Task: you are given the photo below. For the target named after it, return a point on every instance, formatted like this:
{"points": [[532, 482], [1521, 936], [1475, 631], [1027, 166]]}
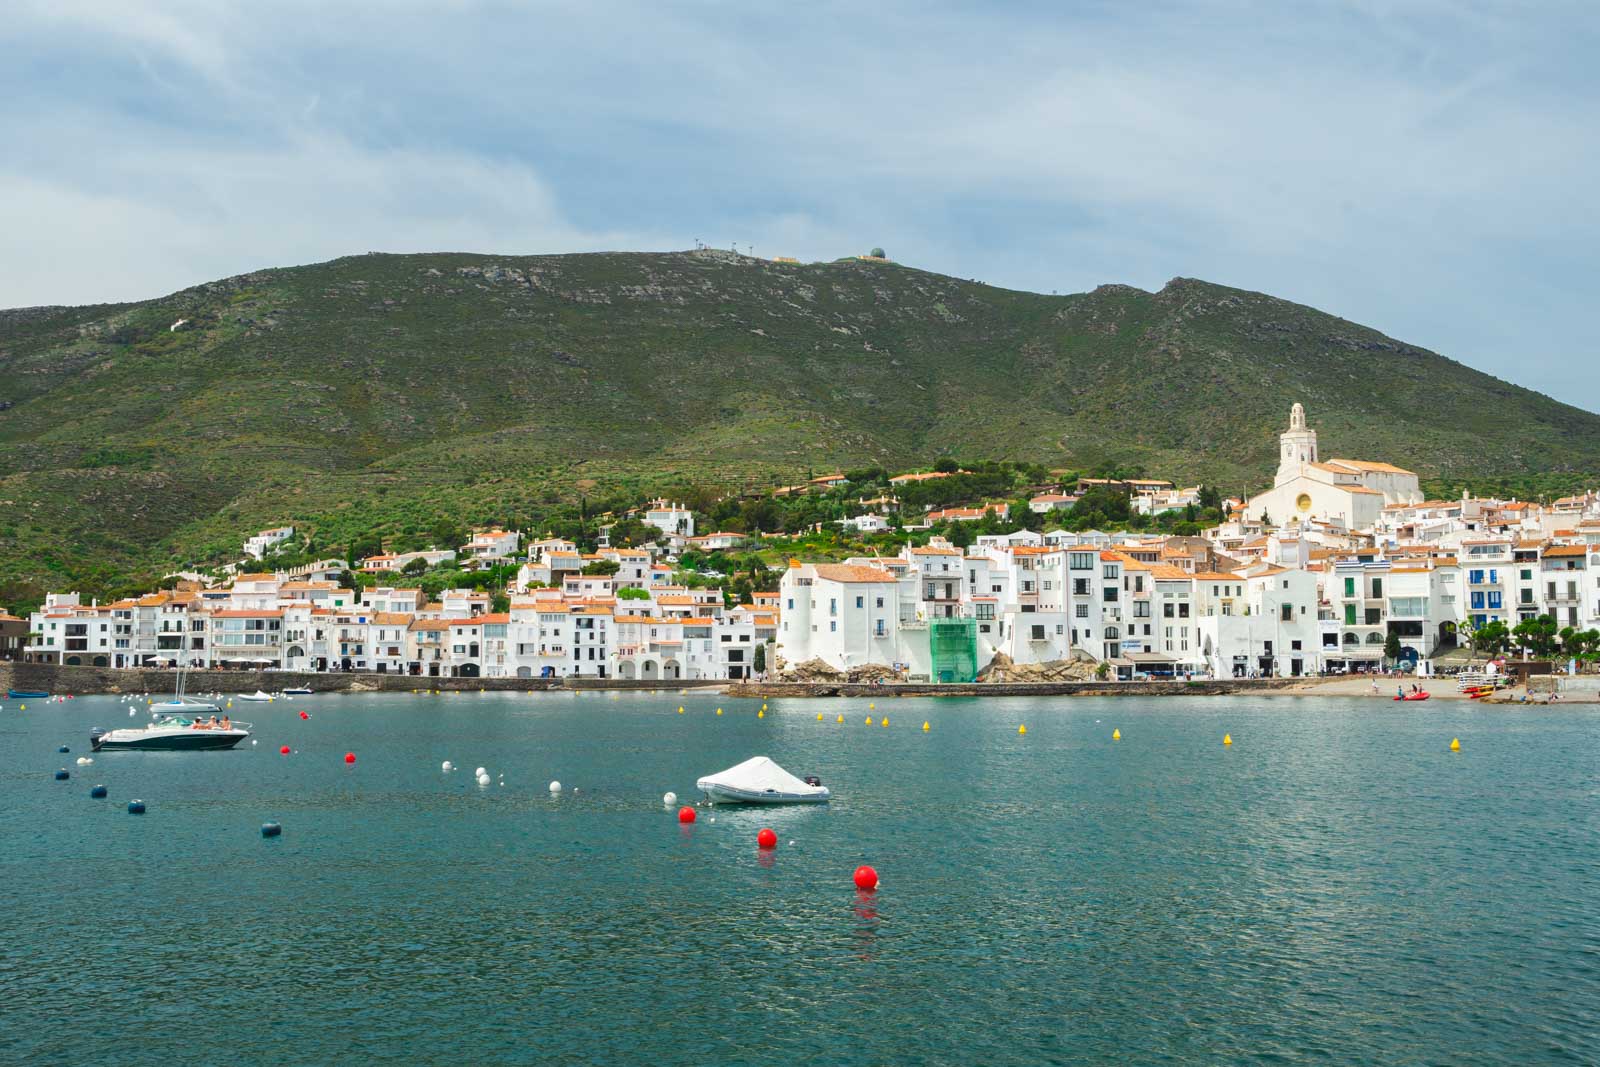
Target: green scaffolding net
{"points": [[953, 644]]}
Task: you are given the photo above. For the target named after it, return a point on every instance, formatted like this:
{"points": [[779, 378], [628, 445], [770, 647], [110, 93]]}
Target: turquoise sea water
{"points": [[1335, 887]]}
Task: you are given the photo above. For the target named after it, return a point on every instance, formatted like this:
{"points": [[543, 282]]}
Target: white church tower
{"points": [[1298, 446]]}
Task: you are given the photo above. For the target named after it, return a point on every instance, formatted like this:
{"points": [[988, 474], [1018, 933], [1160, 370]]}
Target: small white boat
{"points": [[183, 706], [257, 697], [298, 691], [760, 781]]}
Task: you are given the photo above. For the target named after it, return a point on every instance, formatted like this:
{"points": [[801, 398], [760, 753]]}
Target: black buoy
{"points": [[63, 748], [135, 807], [270, 829], [62, 775], [98, 792]]}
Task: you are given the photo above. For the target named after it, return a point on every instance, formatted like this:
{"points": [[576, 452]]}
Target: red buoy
{"points": [[284, 750], [767, 838], [349, 757], [303, 715], [686, 814], [866, 878]]}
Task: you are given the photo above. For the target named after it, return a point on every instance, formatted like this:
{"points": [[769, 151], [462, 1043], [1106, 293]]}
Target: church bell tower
{"points": [[1297, 446]]}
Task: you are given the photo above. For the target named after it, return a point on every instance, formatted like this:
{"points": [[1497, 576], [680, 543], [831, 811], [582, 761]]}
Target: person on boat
{"points": [[227, 722]]}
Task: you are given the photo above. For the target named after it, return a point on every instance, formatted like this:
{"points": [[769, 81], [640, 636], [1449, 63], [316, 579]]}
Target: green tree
{"points": [[633, 593], [1537, 636], [1391, 648], [946, 465], [1492, 638], [415, 566], [759, 661], [602, 567]]}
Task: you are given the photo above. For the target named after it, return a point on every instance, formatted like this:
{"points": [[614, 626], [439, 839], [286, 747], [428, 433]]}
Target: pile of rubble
{"points": [[1002, 669], [819, 670], [815, 669]]}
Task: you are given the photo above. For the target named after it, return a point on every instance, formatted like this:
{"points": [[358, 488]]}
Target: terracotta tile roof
{"points": [[839, 572], [1374, 468]]}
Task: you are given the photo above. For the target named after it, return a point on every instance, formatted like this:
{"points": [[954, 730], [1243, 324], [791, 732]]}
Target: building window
{"points": [[1286, 612]]}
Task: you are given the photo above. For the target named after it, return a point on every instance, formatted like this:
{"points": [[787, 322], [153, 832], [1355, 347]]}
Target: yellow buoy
{"points": [[1455, 744], [839, 719], [869, 720], [763, 707], [1116, 735], [680, 709], [761, 715], [926, 727], [1227, 739], [819, 716], [872, 707], [719, 711], [1022, 729], [885, 721]]}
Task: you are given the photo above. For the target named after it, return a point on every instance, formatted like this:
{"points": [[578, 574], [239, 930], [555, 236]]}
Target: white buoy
{"points": [[130, 713], [555, 787], [252, 741], [483, 779], [669, 798], [480, 772], [447, 766]]}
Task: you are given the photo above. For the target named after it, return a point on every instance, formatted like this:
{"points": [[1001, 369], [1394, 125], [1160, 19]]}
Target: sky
{"points": [[1428, 168]]}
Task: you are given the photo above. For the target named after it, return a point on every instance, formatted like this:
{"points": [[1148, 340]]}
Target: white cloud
{"points": [[1422, 167]]}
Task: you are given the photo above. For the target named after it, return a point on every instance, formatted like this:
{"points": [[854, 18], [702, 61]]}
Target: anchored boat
{"points": [[760, 781], [171, 733], [27, 694]]}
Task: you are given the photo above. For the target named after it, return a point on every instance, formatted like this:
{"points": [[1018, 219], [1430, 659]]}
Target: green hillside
{"points": [[382, 392]]}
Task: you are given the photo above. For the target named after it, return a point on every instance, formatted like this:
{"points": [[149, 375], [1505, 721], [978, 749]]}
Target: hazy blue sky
{"points": [[1429, 168]]}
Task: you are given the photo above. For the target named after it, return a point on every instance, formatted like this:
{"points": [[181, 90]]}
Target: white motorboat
{"points": [[172, 733], [760, 781], [298, 691], [258, 697]]}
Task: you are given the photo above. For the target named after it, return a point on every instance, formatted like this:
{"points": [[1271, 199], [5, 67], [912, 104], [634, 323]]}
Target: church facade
{"points": [[1350, 491]]}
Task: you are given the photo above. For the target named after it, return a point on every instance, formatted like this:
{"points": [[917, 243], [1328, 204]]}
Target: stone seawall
{"points": [[1217, 687], [88, 680]]}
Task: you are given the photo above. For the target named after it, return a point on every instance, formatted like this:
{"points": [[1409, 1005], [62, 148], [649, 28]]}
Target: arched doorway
{"points": [[649, 671], [467, 670], [524, 672], [100, 661], [671, 669], [625, 669], [74, 661]]}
